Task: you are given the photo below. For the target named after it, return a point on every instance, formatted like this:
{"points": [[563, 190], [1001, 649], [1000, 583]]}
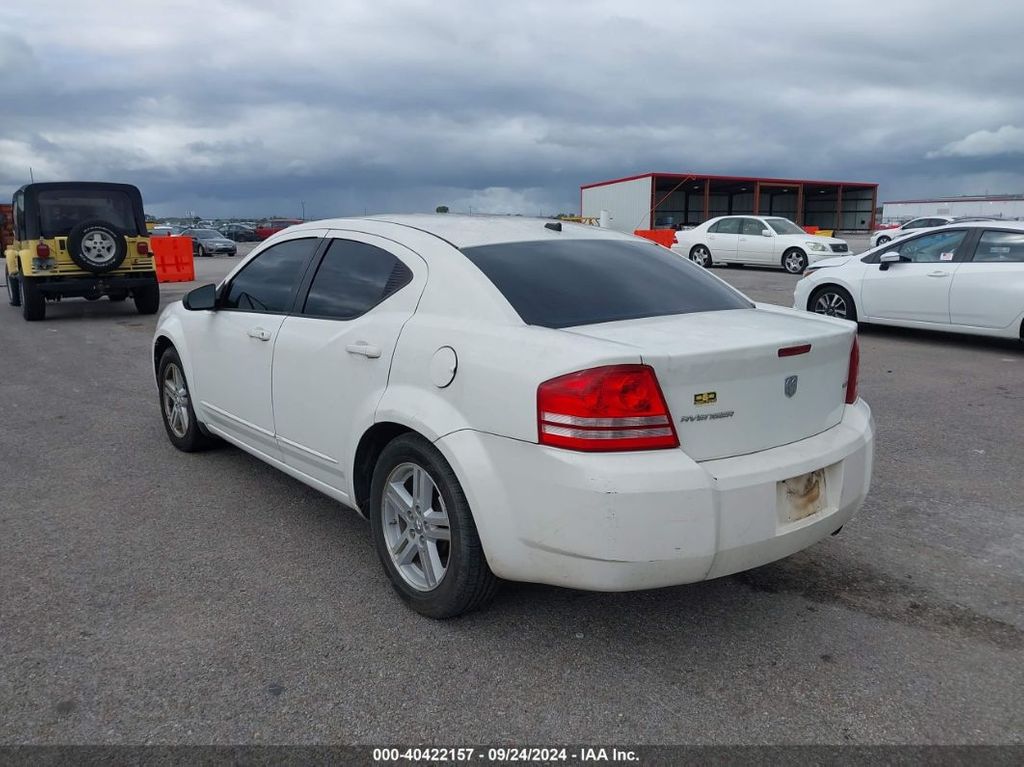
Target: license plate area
{"points": [[803, 496]]}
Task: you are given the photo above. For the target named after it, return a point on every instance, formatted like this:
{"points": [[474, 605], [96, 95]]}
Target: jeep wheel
{"points": [[97, 247], [13, 288], [33, 302], [147, 299]]}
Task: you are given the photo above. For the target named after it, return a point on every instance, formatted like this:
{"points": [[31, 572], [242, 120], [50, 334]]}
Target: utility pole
{"points": [[303, 204]]}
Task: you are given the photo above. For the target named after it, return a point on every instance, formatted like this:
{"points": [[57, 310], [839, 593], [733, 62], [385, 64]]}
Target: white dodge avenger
{"points": [[524, 399]]}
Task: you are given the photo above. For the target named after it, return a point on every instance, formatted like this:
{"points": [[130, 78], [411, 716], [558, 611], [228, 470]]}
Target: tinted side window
{"points": [[583, 282], [728, 226], [752, 226], [352, 279], [930, 248], [268, 282], [1006, 247]]}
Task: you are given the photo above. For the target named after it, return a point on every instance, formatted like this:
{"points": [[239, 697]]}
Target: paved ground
{"points": [[152, 596]]}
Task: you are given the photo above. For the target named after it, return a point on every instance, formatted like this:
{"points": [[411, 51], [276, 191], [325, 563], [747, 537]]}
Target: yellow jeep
{"points": [[79, 238]]}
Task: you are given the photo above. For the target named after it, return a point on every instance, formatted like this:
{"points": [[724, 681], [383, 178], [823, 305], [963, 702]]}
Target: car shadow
{"points": [[780, 599], [80, 309], [940, 338]]}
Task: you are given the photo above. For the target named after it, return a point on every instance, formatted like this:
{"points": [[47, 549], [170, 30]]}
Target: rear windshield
{"points": [[61, 210], [560, 284]]}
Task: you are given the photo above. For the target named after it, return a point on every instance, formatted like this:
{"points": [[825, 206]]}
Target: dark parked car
{"points": [[239, 233], [210, 242]]}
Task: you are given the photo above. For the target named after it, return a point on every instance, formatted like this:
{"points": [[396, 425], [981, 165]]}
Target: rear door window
{"points": [[727, 226], [563, 283], [352, 278], [1000, 247]]}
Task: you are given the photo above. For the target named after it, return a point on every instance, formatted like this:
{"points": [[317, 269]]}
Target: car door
{"points": [[723, 238], [916, 290], [232, 347], [988, 289], [333, 355], [752, 246]]}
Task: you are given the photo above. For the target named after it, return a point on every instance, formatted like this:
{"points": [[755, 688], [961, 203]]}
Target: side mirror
{"points": [[201, 299], [888, 259], [766, 233]]}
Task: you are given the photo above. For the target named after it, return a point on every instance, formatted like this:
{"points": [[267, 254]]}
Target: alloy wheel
{"points": [[794, 262], [416, 527], [700, 256], [831, 304], [175, 400]]}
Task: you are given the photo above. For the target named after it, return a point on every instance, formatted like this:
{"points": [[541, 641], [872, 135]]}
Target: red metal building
{"points": [[666, 200]]}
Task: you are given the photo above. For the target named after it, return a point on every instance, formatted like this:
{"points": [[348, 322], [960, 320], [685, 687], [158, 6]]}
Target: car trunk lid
{"points": [[741, 381]]}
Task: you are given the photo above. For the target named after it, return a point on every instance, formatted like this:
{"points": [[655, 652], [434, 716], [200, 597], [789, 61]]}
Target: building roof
{"points": [[961, 198], [751, 179]]}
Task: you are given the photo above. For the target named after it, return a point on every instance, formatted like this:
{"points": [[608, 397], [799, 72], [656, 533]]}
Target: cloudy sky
{"points": [[249, 107]]}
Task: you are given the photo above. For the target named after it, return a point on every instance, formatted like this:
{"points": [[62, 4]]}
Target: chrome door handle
{"points": [[938, 274], [365, 349], [260, 333]]}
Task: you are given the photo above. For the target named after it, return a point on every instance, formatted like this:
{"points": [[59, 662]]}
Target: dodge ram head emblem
{"points": [[791, 386]]}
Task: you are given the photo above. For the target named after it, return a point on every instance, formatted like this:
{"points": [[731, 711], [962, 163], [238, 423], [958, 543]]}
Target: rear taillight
{"points": [[142, 248], [851, 376], [618, 407], [42, 250]]}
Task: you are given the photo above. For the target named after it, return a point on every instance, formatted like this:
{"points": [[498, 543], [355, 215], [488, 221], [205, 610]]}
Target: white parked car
{"points": [[757, 240], [966, 277], [882, 236], [524, 399]]}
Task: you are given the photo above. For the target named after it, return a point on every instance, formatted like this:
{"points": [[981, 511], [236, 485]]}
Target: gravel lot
{"points": [[151, 596]]}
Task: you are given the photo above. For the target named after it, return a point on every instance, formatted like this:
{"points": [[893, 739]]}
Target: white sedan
{"points": [[914, 226], [756, 240], [523, 399], [966, 277]]}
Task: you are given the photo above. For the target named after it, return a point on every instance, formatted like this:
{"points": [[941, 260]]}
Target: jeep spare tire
{"points": [[97, 246]]}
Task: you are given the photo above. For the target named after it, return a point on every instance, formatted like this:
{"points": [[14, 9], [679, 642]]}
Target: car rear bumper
{"points": [[626, 521], [91, 285]]}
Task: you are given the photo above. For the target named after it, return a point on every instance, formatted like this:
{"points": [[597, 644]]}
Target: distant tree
{"points": [[441, 209]]}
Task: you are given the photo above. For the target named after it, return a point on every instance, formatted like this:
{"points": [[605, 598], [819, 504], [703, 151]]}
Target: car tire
{"points": [[13, 288], [33, 302], [97, 246], [833, 301], [180, 422], [794, 261], [881, 241], [202, 252], [147, 298], [453, 577], [701, 256]]}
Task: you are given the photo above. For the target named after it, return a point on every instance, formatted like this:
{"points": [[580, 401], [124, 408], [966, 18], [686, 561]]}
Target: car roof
{"points": [[990, 224], [467, 231]]}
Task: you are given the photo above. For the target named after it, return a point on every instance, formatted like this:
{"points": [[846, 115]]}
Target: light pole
{"points": [[303, 204]]}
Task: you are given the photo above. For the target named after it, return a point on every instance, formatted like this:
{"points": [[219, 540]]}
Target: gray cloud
{"points": [[249, 107]]}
